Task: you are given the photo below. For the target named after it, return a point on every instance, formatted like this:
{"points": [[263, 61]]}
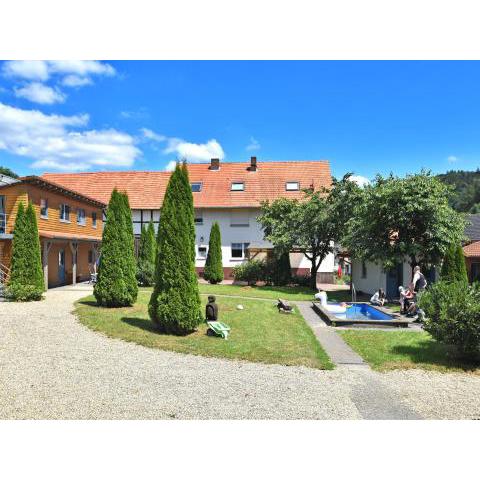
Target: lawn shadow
{"points": [[88, 303], [435, 353], [142, 323]]}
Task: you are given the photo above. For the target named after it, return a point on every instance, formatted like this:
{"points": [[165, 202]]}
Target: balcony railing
{"points": [[3, 223]]}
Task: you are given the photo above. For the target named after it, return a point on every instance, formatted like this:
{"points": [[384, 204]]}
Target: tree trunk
{"points": [[313, 273]]}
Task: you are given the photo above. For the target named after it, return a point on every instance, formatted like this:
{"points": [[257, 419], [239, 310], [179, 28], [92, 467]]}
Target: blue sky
{"points": [[365, 117]]}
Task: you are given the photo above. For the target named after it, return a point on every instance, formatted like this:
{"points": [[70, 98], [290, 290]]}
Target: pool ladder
{"points": [[354, 293]]}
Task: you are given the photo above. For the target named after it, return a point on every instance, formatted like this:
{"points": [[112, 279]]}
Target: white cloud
{"points": [[171, 166], [70, 73], [359, 180], [151, 135], [27, 69], [53, 143], [253, 145], [40, 93], [76, 81], [192, 152], [195, 152], [452, 159]]}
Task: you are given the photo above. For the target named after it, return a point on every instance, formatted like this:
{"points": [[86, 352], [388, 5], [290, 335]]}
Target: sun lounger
{"points": [[219, 328]]}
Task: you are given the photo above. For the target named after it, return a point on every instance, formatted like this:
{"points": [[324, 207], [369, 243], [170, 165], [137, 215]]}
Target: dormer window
{"points": [[196, 186], [292, 186], [237, 187]]}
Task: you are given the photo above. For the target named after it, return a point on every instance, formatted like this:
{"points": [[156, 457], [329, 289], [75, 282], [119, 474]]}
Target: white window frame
{"points": [[81, 219], [244, 247], [237, 187], [45, 206], [290, 184], [65, 208], [204, 248], [200, 186]]}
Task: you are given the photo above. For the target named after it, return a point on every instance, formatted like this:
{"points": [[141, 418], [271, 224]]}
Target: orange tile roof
{"points": [[472, 250], [146, 189]]}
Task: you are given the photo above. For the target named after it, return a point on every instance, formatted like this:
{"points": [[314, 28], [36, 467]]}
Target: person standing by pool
{"points": [[419, 281]]}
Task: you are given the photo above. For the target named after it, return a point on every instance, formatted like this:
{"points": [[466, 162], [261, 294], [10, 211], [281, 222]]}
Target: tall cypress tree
{"points": [[454, 268], [146, 256], [213, 266], [175, 302], [26, 276], [114, 287], [129, 260]]}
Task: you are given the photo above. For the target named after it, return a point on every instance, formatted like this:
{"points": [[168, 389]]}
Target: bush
{"points": [[251, 272], [454, 268], [175, 302], [23, 293], [453, 315], [277, 268], [26, 277], [117, 284], [302, 280], [213, 266], [147, 253]]}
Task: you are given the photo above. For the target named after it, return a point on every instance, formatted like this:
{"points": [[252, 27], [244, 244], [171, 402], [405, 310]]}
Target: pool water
{"points": [[363, 311]]}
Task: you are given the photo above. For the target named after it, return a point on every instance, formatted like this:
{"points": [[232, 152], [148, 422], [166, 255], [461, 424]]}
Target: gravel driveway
{"points": [[51, 367]]}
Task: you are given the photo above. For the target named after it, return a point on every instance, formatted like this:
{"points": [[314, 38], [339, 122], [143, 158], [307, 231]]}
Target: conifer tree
{"points": [[147, 256], [213, 266], [454, 268], [117, 285], [282, 271], [175, 302], [129, 260], [26, 276]]}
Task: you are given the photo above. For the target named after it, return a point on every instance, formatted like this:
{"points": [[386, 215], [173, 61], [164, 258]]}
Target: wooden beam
{"points": [[74, 250], [47, 245]]}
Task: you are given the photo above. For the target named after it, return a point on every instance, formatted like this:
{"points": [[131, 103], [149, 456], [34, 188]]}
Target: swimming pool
{"points": [[363, 311]]}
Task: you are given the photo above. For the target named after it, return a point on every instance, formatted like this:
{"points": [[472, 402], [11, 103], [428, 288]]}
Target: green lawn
{"points": [[259, 333], [288, 293], [387, 350]]}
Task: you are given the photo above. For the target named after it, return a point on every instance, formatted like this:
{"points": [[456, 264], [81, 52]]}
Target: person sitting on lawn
{"points": [[408, 300], [378, 298], [211, 310]]}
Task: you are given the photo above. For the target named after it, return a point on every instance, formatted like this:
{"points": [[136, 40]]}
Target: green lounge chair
{"points": [[219, 328]]}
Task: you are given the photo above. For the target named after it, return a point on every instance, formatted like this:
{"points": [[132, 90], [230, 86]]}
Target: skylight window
{"points": [[196, 186], [238, 187], [292, 186]]}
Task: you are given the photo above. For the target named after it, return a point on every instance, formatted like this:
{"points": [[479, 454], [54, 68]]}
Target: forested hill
{"points": [[467, 189]]}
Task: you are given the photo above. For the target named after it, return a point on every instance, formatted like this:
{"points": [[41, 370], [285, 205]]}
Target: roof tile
{"points": [[147, 189]]}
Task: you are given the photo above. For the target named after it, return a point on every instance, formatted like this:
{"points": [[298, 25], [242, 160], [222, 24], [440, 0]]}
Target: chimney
{"points": [[253, 164], [215, 164]]}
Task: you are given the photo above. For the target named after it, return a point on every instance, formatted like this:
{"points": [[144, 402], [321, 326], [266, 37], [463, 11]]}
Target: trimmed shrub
{"points": [[277, 268], [117, 285], [213, 266], [453, 315], [302, 280], [147, 253], [454, 268], [26, 276], [251, 272], [175, 302]]}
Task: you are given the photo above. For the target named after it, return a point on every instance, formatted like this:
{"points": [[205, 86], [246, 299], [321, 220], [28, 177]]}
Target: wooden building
{"points": [[70, 227]]}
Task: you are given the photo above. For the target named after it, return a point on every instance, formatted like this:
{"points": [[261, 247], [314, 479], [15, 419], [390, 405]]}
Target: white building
{"points": [[228, 193], [368, 277]]}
